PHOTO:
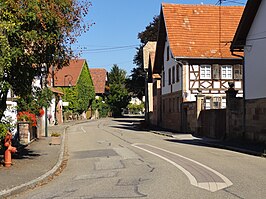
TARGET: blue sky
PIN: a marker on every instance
(113, 37)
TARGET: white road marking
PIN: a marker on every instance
(83, 129)
(210, 186)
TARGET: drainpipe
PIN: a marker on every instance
(244, 91)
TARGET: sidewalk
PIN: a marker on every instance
(33, 165)
(242, 147)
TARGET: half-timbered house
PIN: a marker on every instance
(193, 57)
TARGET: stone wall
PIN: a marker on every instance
(256, 120)
(171, 111)
(234, 118)
(190, 119)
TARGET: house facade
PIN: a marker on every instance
(60, 80)
(100, 82)
(99, 79)
(148, 63)
(193, 58)
(250, 39)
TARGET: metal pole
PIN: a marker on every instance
(45, 122)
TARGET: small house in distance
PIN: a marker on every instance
(99, 79)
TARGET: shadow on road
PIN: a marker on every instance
(243, 147)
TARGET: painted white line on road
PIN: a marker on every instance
(210, 186)
(83, 129)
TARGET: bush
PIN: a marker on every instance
(135, 108)
(102, 107)
(3, 131)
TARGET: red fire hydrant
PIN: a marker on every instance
(9, 149)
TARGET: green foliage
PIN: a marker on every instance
(119, 96)
(3, 131)
(34, 34)
(136, 82)
(135, 108)
(101, 106)
(81, 95)
(33, 102)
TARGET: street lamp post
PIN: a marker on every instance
(44, 83)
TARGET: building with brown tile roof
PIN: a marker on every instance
(198, 31)
(193, 56)
(68, 75)
(99, 78)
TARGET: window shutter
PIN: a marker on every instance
(216, 71)
(238, 71)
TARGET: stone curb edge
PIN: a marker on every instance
(43, 178)
(236, 149)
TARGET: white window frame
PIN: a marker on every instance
(207, 103)
(205, 72)
(226, 72)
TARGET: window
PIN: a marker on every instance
(168, 53)
(238, 71)
(205, 72)
(207, 103)
(177, 73)
(173, 74)
(169, 76)
(227, 72)
(223, 104)
(216, 102)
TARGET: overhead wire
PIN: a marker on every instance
(106, 49)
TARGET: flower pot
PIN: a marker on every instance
(55, 140)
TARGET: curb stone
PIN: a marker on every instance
(232, 148)
(43, 178)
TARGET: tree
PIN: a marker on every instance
(36, 34)
(136, 82)
(35, 101)
(118, 97)
(81, 95)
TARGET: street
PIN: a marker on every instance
(110, 158)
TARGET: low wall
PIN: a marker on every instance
(235, 118)
(256, 120)
(190, 117)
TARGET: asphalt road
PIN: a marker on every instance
(111, 159)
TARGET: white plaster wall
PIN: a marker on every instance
(255, 59)
(169, 64)
(150, 95)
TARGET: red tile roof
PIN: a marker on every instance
(68, 75)
(201, 31)
(99, 78)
